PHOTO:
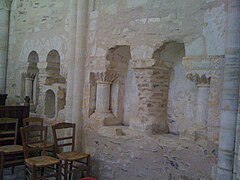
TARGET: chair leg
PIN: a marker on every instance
(66, 170)
(59, 171)
(42, 171)
(1, 166)
(25, 173)
(70, 169)
(88, 166)
(34, 173)
(13, 169)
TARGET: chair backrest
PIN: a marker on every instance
(8, 130)
(29, 137)
(68, 135)
(32, 121)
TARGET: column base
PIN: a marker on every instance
(106, 118)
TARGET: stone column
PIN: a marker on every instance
(80, 57)
(72, 46)
(104, 81)
(4, 27)
(28, 80)
(103, 96)
(203, 85)
(230, 94)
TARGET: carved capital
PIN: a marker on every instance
(29, 75)
(5, 4)
(107, 76)
(199, 80)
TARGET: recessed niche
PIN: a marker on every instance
(50, 104)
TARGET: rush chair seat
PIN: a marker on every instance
(10, 153)
(37, 121)
(70, 158)
(36, 165)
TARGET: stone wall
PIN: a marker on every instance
(157, 97)
(151, 61)
(41, 27)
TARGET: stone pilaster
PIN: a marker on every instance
(228, 136)
(80, 58)
(153, 78)
(4, 28)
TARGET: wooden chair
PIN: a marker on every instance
(34, 164)
(69, 157)
(38, 121)
(10, 153)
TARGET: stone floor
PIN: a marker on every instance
(18, 174)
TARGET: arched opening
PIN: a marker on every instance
(33, 59)
(180, 100)
(50, 105)
(53, 68)
(118, 57)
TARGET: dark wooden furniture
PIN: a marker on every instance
(3, 98)
(35, 165)
(18, 112)
(64, 140)
(10, 155)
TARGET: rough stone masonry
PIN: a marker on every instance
(153, 85)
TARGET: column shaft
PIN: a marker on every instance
(103, 97)
(4, 27)
(202, 105)
(80, 57)
(29, 88)
(230, 93)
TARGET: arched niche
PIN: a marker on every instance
(50, 104)
(107, 89)
(180, 99)
(33, 59)
(119, 57)
(53, 68)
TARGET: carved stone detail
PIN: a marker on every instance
(29, 75)
(5, 4)
(208, 65)
(199, 79)
(107, 77)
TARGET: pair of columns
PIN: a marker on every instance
(104, 81)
